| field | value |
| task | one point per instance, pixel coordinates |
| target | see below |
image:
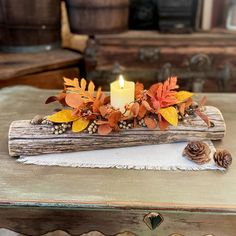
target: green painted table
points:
(37, 199)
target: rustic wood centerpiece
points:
(88, 120)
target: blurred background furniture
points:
(42, 69)
(161, 38)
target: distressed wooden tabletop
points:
(110, 188)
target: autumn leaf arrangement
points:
(86, 110)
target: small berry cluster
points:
(60, 128)
(142, 123)
(92, 128)
(45, 121)
(125, 125)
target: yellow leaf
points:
(83, 84)
(183, 96)
(79, 125)
(71, 82)
(62, 116)
(170, 114)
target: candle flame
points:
(121, 81)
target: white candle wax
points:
(122, 93)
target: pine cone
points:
(197, 152)
(222, 158)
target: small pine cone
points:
(222, 158)
(37, 120)
(198, 152)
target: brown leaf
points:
(203, 101)
(113, 118)
(101, 122)
(162, 123)
(182, 108)
(189, 102)
(135, 109)
(203, 117)
(51, 99)
(73, 100)
(106, 100)
(104, 129)
(147, 106)
(142, 111)
(150, 122)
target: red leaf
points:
(135, 109)
(150, 122)
(154, 88)
(104, 129)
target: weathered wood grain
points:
(32, 221)
(28, 139)
(208, 199)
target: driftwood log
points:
(28, 139)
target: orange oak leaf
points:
(83, 84)
(71, 82)
(104, 129)
(150, 122)
(91, 88)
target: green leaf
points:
(170, 114)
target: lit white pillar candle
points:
(122, 93)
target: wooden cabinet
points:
(43, 70)
(37, 199)
(202, 61)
